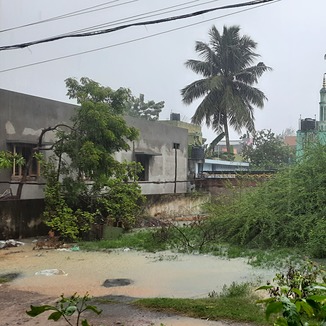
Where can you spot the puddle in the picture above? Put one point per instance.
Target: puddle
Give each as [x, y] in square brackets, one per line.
[153, 275]
[163, 274]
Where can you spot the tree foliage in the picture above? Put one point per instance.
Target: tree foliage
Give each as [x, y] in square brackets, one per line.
[137, 107]
[84, 172]
[288, 211]
[7, 159]
[228, 75]
[266, 150]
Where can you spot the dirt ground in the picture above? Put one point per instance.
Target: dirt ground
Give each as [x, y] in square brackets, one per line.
[82, 272]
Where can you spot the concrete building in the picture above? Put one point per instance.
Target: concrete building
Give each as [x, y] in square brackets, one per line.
[311, 130]
[22, 117]
[236, 147]
[161, 149]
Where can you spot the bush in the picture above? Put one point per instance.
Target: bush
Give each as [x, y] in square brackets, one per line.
[287, 211]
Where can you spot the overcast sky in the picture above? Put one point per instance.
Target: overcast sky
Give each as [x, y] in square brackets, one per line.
[290, 36]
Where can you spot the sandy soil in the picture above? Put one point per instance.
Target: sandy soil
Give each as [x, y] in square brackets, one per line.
[151, 276]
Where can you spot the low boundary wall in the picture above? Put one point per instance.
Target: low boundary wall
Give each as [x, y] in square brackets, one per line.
[21, 219]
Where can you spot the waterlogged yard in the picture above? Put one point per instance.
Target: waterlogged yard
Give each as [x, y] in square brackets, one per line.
[204, 286]
[154, 275]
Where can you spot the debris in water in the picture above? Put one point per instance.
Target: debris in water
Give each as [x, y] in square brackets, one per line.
[51, 272]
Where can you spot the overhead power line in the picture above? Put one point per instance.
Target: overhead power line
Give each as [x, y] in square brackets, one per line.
[131, 41]
[148, 14]
[70, 14]
[110, 30]
[91, 9]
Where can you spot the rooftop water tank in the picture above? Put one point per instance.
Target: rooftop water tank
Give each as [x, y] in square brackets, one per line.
[308, 124]
[197, 153]
[175, 116]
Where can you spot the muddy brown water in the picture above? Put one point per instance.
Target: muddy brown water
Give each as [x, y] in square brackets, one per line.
[162, 274]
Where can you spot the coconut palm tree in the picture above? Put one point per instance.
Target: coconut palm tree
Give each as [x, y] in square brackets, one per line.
[227, 88]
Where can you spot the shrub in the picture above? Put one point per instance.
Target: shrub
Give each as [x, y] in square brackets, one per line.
[287, 211]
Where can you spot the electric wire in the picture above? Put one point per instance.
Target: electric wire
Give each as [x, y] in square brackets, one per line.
[134, 40]
[149, 14]
[70, 14]
[137, 17]
[114, 29]
[86, 11]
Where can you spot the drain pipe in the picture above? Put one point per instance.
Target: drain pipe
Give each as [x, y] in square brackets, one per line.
[175, 146]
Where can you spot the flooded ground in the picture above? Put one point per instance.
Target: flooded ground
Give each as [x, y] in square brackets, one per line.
[152, 275]
[163, 274]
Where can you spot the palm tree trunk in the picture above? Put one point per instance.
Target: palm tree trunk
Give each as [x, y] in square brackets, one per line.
[227, 137]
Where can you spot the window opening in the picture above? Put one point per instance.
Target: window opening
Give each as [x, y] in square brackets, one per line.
[25, 150]
[144, 161]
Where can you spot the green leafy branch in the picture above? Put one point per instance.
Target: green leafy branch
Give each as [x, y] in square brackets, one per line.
[298, 297]
[65, 308]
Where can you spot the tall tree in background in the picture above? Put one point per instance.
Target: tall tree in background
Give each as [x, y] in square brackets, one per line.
[227, 88]
[266, 150]
[137, 107]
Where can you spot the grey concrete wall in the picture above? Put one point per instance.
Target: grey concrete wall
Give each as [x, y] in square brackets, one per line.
[159, 138]
[22, 218]
[22, 117]
[176, 206]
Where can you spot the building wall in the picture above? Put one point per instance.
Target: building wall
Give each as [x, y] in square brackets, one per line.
[179, 206]
[22, 117]
[194, 131]
[157, 139]
[306, 138]
[21, 218]
[236, 146]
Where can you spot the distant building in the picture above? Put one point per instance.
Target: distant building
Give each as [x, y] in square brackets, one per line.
[290, 141]
[236, 147]
[310, 130]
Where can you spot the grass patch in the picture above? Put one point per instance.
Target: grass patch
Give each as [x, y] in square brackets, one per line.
[233, 291]
[140, 240]
[236, 302]
[273, 258]
[241, 309]
[5, 278]
[158, 239]
[277, 258]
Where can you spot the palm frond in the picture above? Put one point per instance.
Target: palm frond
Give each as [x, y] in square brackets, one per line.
[209, 107]
[251, 74]
[203, 68]
[195, 90]
[251, 94]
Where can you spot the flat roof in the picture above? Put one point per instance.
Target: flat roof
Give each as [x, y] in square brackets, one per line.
[230, 163]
